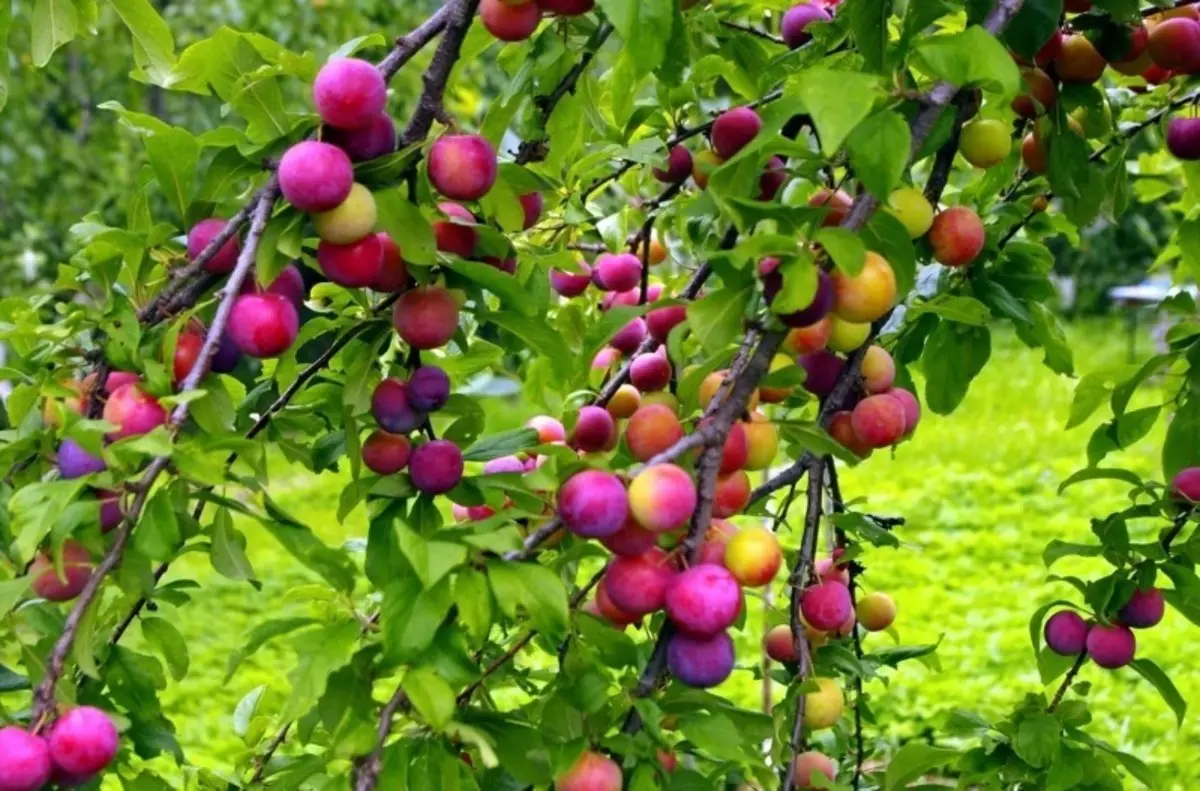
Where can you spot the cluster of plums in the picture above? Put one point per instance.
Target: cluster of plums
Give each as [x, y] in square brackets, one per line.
[1111, 644]
[79, 745]
[400, 408]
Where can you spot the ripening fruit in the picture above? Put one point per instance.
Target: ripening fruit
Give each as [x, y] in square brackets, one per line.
[83, 742]
[703, 164]
[910, 206]
[867, 296]
[650, 372]
[455, 238]
[1144, 609]
[315, 176]
[655, 254]
[841, 428]
[75, 462]
[774, 176]
[679, 166]
[823, 708]
[1186, 484]
[651, 430]
[549, 429]
[426, 318]
[732, 494]
[876, 611]
[611, 612]
[879, 421]
[1175, 44]
[77, 570]
[1183, 138]
[704, 600]
[716, 539]
[571, 284]
[753, 556]
[510, 21]
[436, 467]
[813, 338]
[735, 450]
[878, 370]
[957, 236]
[202, 234]
[188, 345]
[831, 568]
[349, 221]
[632, 540]
[733, 130]
[376, 139]
[700, 662]
[822, 371]
[846, 336]
[263, 325]
[662, 498]
[1066, 633]
[593, 771]
[386, 454]
[1040, 94]
[826, 605]
[837, 203]
[809, 765]
[349, 93]
[780, 645]
[428, 388]
[1079, 62]
[1127, 48]
[762, 441]
[618, 272]
[393, 409]
[638, 585]
[1111, 646]
[462, 167]
[26, 763]
[710, 386]
[133, 411]
[593, 504]
[985, 143]
[817, 309]
[393, 272]
[623, 404]
[355, 265]
[660, 321]
[795, 24]
[911, 406]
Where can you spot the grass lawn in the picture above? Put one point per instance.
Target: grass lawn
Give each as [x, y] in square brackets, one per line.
[979, 490]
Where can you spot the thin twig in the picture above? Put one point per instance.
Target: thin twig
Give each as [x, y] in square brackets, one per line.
[1066, 682]
[754, 31]
[260, 763]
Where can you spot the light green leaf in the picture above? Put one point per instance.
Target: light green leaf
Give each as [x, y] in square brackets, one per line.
[845, 247]
[716, 320]
[972, 57]
[1038, 738]
[164, 636]
[431, 696]
[54, 23]
[260, 635]
[645, 27]
[878, 149]
[1162, 682]
[154, 47]
[157, 533]
[320, 652]
[913, 760]
[837, 101]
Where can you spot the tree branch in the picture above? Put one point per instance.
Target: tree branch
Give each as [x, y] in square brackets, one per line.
[753, 31]
[430, 106]
[1066, 682]
[407, 46]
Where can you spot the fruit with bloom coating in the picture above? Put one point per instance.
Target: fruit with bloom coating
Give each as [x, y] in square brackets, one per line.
[593, 771]
[762, 440]
[376, 139]
[957, 236]
[436, 467]
[732, 494]
[876, 611]
[315, 176]
[630, 337]
[826, 605]
[704, 600]
[594, 429]
[1175, 44]
[652, 429]
[263, 325]
[985, 142]
[1186, 484]
[822, 370]
[355, 265]
[841, 428]
[456, 238]
[638, 585]
[462, 167]
[384, 453]
[134, 411]
[780, 645]
[753, 556]
[26, 760]
[83, 742]
[912, 408]
[571, 284]
[549, 429]
[797, 20]
[76, 571]
[510, 21]
[428, 388]
[661, 321]
[593, 504]
[631, 540]
[910, 206]
[679, 166]
[202, 234]
[867, 296]
[662, 497]
[1183, 138]
[774, 176]
[700, 661]
[426, 317]
[618, 272]
[349, 221]
[650, 372]
[735, 450]
[1144, 609]
[1111, 646]
[808, 766]
[879, 421]
[1066, 633]
[703, 164]
[878, 370]
[823, 708]
[734, 129]
[349, 93]
[75, 462]
[392, 407]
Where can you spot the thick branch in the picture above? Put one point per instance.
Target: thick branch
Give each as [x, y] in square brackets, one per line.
[409, 45]
[430, 107]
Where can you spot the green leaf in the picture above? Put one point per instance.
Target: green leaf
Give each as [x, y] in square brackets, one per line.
[1099, 474]
[512, 294]
[972, 57]
[260, 635]
[716, 735]
[227, 551]
[154, 47]
[1038, 738]
[838, 101]
[474, 602]
[157, 533]
[1182, 446]
[845, 247]
[332, 564]
[541, 338]
[164, 636]
[645, 26]
[954, 355]
[11, 592]
[411, 616]
[964, 310]
[913, 760]
[869, 27]
[887, 236]
[878, 149]
[5, 26]
[1090, 393]
[1123, 392]
[54, 23]
[1057, 549]
[1032, 27]
[506, 443]
[431, 696]
[1148, 670]
[716, 320]
[405, 224]
[430, 560]
[535, 588]
[320, 652]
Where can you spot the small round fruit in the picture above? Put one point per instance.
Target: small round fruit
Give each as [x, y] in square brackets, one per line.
[703, 164]
[620, 272]
[704, 600]
[1186, 484]
[571, 284]
[593, 771]
[594, 429]
[823, 708]
[1183, 138]
[985, 143]
[878, 370]
[549, 429]
[651, 430]
[638, 585]
[822, 370]
[796, 21]
[83, 742]
[1080, 62]
[25, 765]
[701, 662]
[753, 556]
[593, 504]
[846, 336]
[957, 237]
[826, 605]
[1175, 44]
[315, 176]
[376, 139]
[1144, 609]
[428, 388]
[455, 238]
[349, 221]
[426, 318]
[75, 462]
[662, 498]
[732, 495]
[349, 93]
[876, 611]
[734, 129]
[462, 167]
[867, 296]
[263, 325]
[912, 209]
[1066, 633]
[76, 571]
[355, 265]
[436, 467]
[809, 765]
[679, 166]
[133, 411]
[1111, 646]
[1041, 93]
[202, 234]
[780, 645]
[632, 540]
[630, 337]
[879, 421]
[392, 407]
[386, 454]
[650, 372]
[837, 205]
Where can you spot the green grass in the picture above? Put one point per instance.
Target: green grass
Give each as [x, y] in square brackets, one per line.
[979, 490]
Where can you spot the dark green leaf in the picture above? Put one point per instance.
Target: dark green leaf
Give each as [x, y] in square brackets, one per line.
[1162, 682]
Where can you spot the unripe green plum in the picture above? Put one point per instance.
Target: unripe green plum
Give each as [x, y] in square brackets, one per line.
[912, 208]
[351, 220]
[985, 143]
[846, 336]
